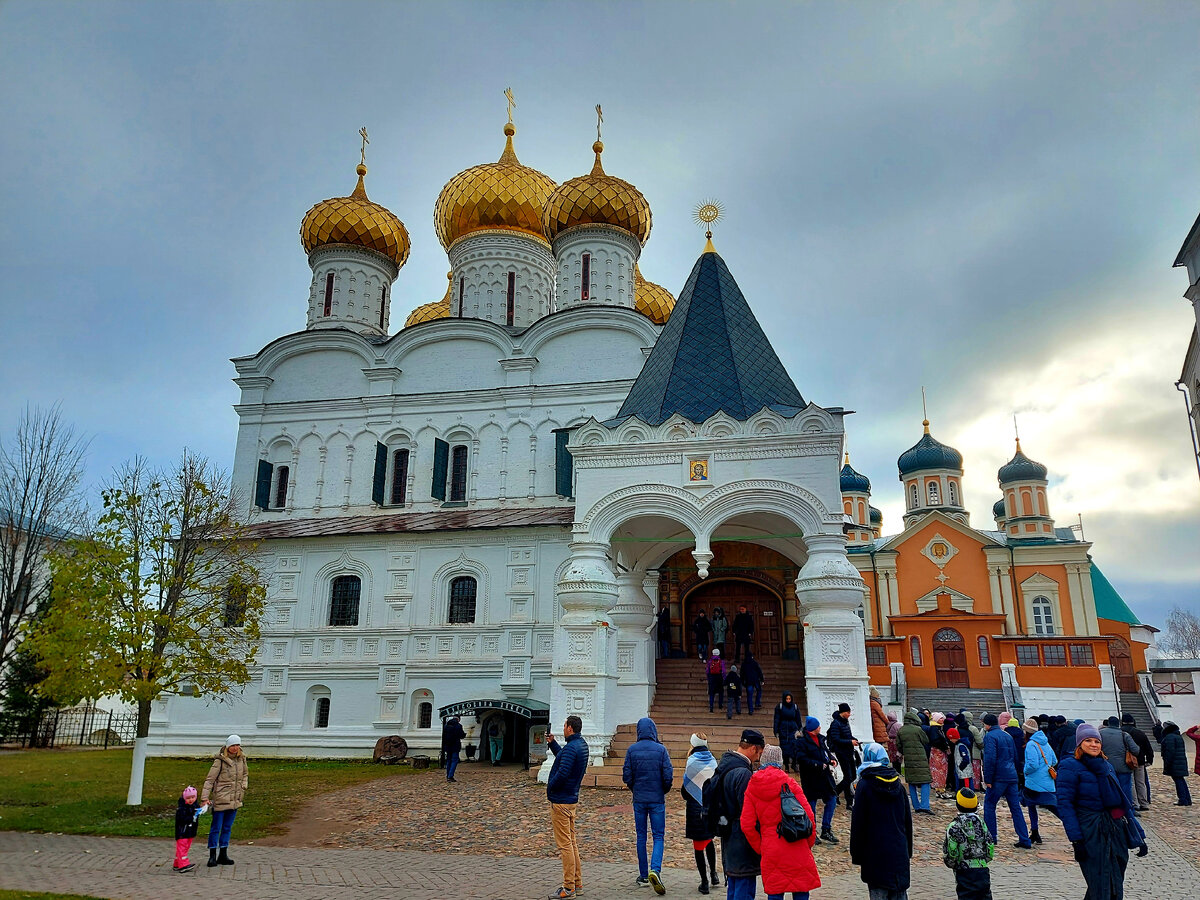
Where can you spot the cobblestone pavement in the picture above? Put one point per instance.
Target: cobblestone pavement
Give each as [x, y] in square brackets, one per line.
[139, 869]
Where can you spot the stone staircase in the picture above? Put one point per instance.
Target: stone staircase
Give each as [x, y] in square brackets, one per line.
[681, 707]
[1135, 704]
[953, 699]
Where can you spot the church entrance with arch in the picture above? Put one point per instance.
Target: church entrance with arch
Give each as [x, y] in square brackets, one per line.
[950, 659]
[730, 595]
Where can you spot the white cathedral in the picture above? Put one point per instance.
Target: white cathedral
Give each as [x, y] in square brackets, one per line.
[469, 514]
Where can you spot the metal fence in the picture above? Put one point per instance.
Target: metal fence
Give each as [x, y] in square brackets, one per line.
[80, 726]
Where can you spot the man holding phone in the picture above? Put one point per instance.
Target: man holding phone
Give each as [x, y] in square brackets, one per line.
[562, 790]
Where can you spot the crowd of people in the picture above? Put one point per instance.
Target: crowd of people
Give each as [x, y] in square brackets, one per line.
[759, 800]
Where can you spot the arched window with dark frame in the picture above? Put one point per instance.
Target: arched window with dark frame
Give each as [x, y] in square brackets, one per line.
[344, 595]
[985, 655]
[953, 494]
[510, 299]
[382, 304]
[399, 476]
[462, 600]
[282, 474]
[322, 717]
[425, 715]
[458, 473]
[328, 309]
[914, 646]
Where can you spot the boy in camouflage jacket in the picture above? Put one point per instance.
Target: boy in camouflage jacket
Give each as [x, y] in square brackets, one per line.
[968, 848]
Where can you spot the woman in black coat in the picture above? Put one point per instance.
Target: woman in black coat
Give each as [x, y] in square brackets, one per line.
[696, 829]
[881, 836]
[1175, 762]
[788, 720]
[812, 762]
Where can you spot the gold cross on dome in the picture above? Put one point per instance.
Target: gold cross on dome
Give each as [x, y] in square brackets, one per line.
[365, 140]
[512, 103]
[599, 120]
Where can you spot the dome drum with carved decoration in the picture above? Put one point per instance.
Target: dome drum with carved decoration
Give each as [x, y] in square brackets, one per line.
[357, 222]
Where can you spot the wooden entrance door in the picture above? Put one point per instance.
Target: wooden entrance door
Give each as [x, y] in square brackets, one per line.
[1122, 663]
[950, 659]
[731, 595]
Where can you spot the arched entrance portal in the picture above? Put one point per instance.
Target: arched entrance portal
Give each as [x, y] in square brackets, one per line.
[950, 659]
[730, 594]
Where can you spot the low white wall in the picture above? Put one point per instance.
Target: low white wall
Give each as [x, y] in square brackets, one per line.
[1092, 705]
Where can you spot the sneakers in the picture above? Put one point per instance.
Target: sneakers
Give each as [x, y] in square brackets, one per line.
[656, 883]
[642, 881]
[827, 835]
[563, 894]
[179, 870]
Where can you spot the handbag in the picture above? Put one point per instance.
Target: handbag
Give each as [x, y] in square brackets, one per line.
[1131, 760]
[1049, 768]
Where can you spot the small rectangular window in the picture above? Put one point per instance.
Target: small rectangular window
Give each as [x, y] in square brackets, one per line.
[914, 647]
[563, 468]
[585, 284]
[1081, 655]
[399, 476]
[322, 712]
[876, 656]
[1027, 655]
[382, 303]
[425, 715]
[458, 474]
[511, 303]
[236, 600]
[462, 285]
[1054, 655]
[281, 487]
[985, 656]
[328, 294]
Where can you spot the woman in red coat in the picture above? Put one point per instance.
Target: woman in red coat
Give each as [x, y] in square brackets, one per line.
[785, 866]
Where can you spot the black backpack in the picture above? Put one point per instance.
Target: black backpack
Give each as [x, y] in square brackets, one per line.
[795, 824]
[713, 795]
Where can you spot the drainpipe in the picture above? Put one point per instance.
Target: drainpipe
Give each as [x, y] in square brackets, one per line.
[1187, 405]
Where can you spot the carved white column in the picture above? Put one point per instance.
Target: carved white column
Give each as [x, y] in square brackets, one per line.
[830, 591]
[633, 616]
[583, 678]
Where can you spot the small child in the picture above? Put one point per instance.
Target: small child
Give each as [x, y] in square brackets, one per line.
[733, 691]
[187, 815]
[968, 848]
[960, 759]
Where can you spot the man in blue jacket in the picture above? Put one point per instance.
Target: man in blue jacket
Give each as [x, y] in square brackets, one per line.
[1000, 779]
[648, 774]
[562, 790]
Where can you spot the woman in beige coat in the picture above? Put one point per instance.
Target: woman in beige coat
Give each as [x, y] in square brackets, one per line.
[224, 787]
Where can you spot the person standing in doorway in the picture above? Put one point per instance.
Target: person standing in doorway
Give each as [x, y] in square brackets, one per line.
[842, 742]
[452, 738]
[728, 792]
[743, 633]
[664, 632]
[497, 729]
[720, 627]
[752, 678]
[562, 790]
[1000, 780]
[701, 631]
[648, 774]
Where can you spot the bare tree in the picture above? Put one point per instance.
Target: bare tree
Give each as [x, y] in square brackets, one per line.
[1182, 639]
[40, 472]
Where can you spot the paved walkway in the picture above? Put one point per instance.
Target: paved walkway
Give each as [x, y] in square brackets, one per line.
[139, 869]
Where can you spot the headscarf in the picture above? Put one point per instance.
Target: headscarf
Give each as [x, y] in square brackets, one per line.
[893, 726]
[700, 767]
[874, 755]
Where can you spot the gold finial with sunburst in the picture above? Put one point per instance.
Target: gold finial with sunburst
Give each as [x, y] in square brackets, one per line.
[708, 212]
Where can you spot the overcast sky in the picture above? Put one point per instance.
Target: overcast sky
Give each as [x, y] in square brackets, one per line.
[982, 199]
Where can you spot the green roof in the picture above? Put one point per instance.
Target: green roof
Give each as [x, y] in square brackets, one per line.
[1109, 604]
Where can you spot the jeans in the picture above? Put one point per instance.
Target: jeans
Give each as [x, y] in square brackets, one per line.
[827, 816]
[1125, 779]
[702, 647]
[562, 820]
[1181, 789]
[740, 888]
[796, 895]
[924, 799]
[451, 764]
[497, 745]
[222, 824]
[656, 813]
[733, 703]
[753, 697]
[1008, 790]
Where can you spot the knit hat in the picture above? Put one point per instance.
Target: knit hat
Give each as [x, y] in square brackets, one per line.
[1128, 719]
[811, 723]
[750, 736]
[952, 733]
[189, 793]
[990, 720]
[1060, 720]
[1030, 726]
[937, 718]
[967, 800]
[1013, 723]
[875, 693]
[1085, 731]
[716, 652]
[699, 740]
[772, 755]
[233, 739]
[843, 707]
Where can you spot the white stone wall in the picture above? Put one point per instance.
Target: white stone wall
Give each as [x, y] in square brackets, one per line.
[613, 252]
[362, 283]
[481, 262]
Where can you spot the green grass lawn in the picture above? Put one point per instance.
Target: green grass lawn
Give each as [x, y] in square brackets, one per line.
[83, 791]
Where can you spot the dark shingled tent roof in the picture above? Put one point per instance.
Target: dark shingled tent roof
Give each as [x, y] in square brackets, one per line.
[712, 356]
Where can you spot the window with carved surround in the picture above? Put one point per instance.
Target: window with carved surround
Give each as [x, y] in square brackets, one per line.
[1043, 616]
[344, 594]
[462, 600]
[322, 719]
[425, 715]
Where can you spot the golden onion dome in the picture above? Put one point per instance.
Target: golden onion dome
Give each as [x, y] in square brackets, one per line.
[438, 309]
[356, 221]
[503, 195]
[652, 300]
[597, 199]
